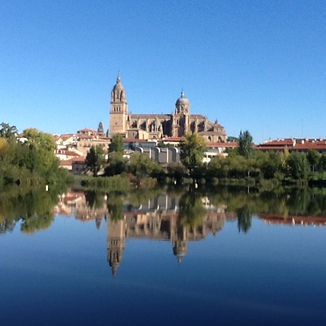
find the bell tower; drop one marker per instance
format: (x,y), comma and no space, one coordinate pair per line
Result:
(180,123)
(118,109)
(115,243)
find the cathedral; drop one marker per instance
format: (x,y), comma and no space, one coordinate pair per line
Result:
(159,126)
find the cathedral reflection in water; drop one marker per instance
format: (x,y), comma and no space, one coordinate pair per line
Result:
(158,219)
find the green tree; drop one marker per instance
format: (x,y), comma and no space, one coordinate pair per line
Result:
(298,166)
(313,158)
(42,145)
(95,159)
(116,164)
(176,171)
(7,131)
(32,163)
(322,162)
(271,164)
(214,167)
(39,140)
(245,144)
(141,166)
(192,151)
(116,144)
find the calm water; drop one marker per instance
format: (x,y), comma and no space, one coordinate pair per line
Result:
(150,264)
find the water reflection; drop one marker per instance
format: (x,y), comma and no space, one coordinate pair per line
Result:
(178,217)
(262,275)
(188,216)
(32,208)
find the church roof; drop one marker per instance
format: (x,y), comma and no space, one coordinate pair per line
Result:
(182,99)
(197,116)
(150,116)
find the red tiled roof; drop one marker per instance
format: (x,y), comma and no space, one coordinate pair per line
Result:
(283,142)
(87,129)
(293,144)
(65,137)
(66,162)
(85,136)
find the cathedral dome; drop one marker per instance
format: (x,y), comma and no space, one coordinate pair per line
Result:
(118,92)
(182,100)
(118,84)
(182,104)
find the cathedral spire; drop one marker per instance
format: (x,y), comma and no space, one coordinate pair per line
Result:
(118,109)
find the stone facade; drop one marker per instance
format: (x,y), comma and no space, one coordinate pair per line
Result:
(158,126)
(161,155)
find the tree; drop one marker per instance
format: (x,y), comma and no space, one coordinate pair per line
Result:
(4,147)
(192,151)
(7,131)
(245,144)
(298,166)
(116,144)
(313,158)
(117,165)
(40,155)
(30,163)
(141,166)
(270,164)
(95,159)
(322,162)
(176,171)
(39,140)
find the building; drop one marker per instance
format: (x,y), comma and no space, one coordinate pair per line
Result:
(159,126)
(299,145)
(72,149)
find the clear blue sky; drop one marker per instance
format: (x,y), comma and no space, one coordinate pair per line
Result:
(252,65)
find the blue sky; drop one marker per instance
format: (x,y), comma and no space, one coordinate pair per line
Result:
(252,65)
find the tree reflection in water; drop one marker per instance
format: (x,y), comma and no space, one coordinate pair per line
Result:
(115,206)
(94,199)
(191,209)
(33,208)
(244,218)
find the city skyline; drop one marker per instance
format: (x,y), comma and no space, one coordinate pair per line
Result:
(257,65)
